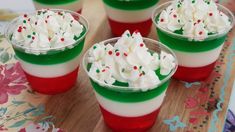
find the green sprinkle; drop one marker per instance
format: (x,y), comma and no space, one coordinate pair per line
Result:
(29,36)
(39,12)
(143,72)
(128,35)
(24,21)
(34,33)
(123,69)
(97,71)
(140,67)
(116,50)
(94,47)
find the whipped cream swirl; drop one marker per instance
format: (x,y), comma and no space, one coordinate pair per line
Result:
(47,29)
(128,61)
(196,18)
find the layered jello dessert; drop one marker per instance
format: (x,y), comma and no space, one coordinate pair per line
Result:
(47,44)
(73,5)
(130,15)
(196,31)
(130,76)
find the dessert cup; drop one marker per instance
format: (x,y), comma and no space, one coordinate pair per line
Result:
(73,5)
(129,15)
(196,58)
(126,108)
(54,70)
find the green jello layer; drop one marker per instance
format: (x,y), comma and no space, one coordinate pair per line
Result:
(130,4)
(129,97)
(55,2)
(51,58)
(189,46)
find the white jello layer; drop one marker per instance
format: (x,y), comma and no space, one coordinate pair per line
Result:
(73,6)
(190,59)
(50,71)
(129,16)
(130,109)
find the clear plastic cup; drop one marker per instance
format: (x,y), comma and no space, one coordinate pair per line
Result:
(130,108)
(73,5)
(129,15)
(53,70)
(196,57)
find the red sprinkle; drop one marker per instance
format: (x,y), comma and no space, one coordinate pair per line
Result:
(24,27)
(117,54)
(210,14)
(48,17)
(174,16)
(60,13)
(33,37)
(45,21)
(162,20)
(103,70)
(125,54)
(135,67)
(200,33)
(36,23)
(141,74)
(110,52)
(141,45)
(49,39)
(29,19)
(19,30)
(198,21)
(25,15)
(62,39)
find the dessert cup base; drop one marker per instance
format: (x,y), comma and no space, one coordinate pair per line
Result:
(129,124)
(190,74)
(118,28)
(52,86)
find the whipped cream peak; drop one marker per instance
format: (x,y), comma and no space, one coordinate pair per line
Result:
(196,18)
(128,61)
(47,29)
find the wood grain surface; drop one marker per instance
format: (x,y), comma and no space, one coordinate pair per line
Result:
(78,111)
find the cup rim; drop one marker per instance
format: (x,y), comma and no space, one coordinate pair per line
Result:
(181,36)
(15,44)
(130,89)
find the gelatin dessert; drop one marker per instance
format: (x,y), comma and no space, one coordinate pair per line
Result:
(47,44)
(130,76)
(130,15)
(73,5)
(196,31)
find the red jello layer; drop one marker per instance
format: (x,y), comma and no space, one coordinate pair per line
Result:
(194,74)
(53,85)
(129,124)
(118,28)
